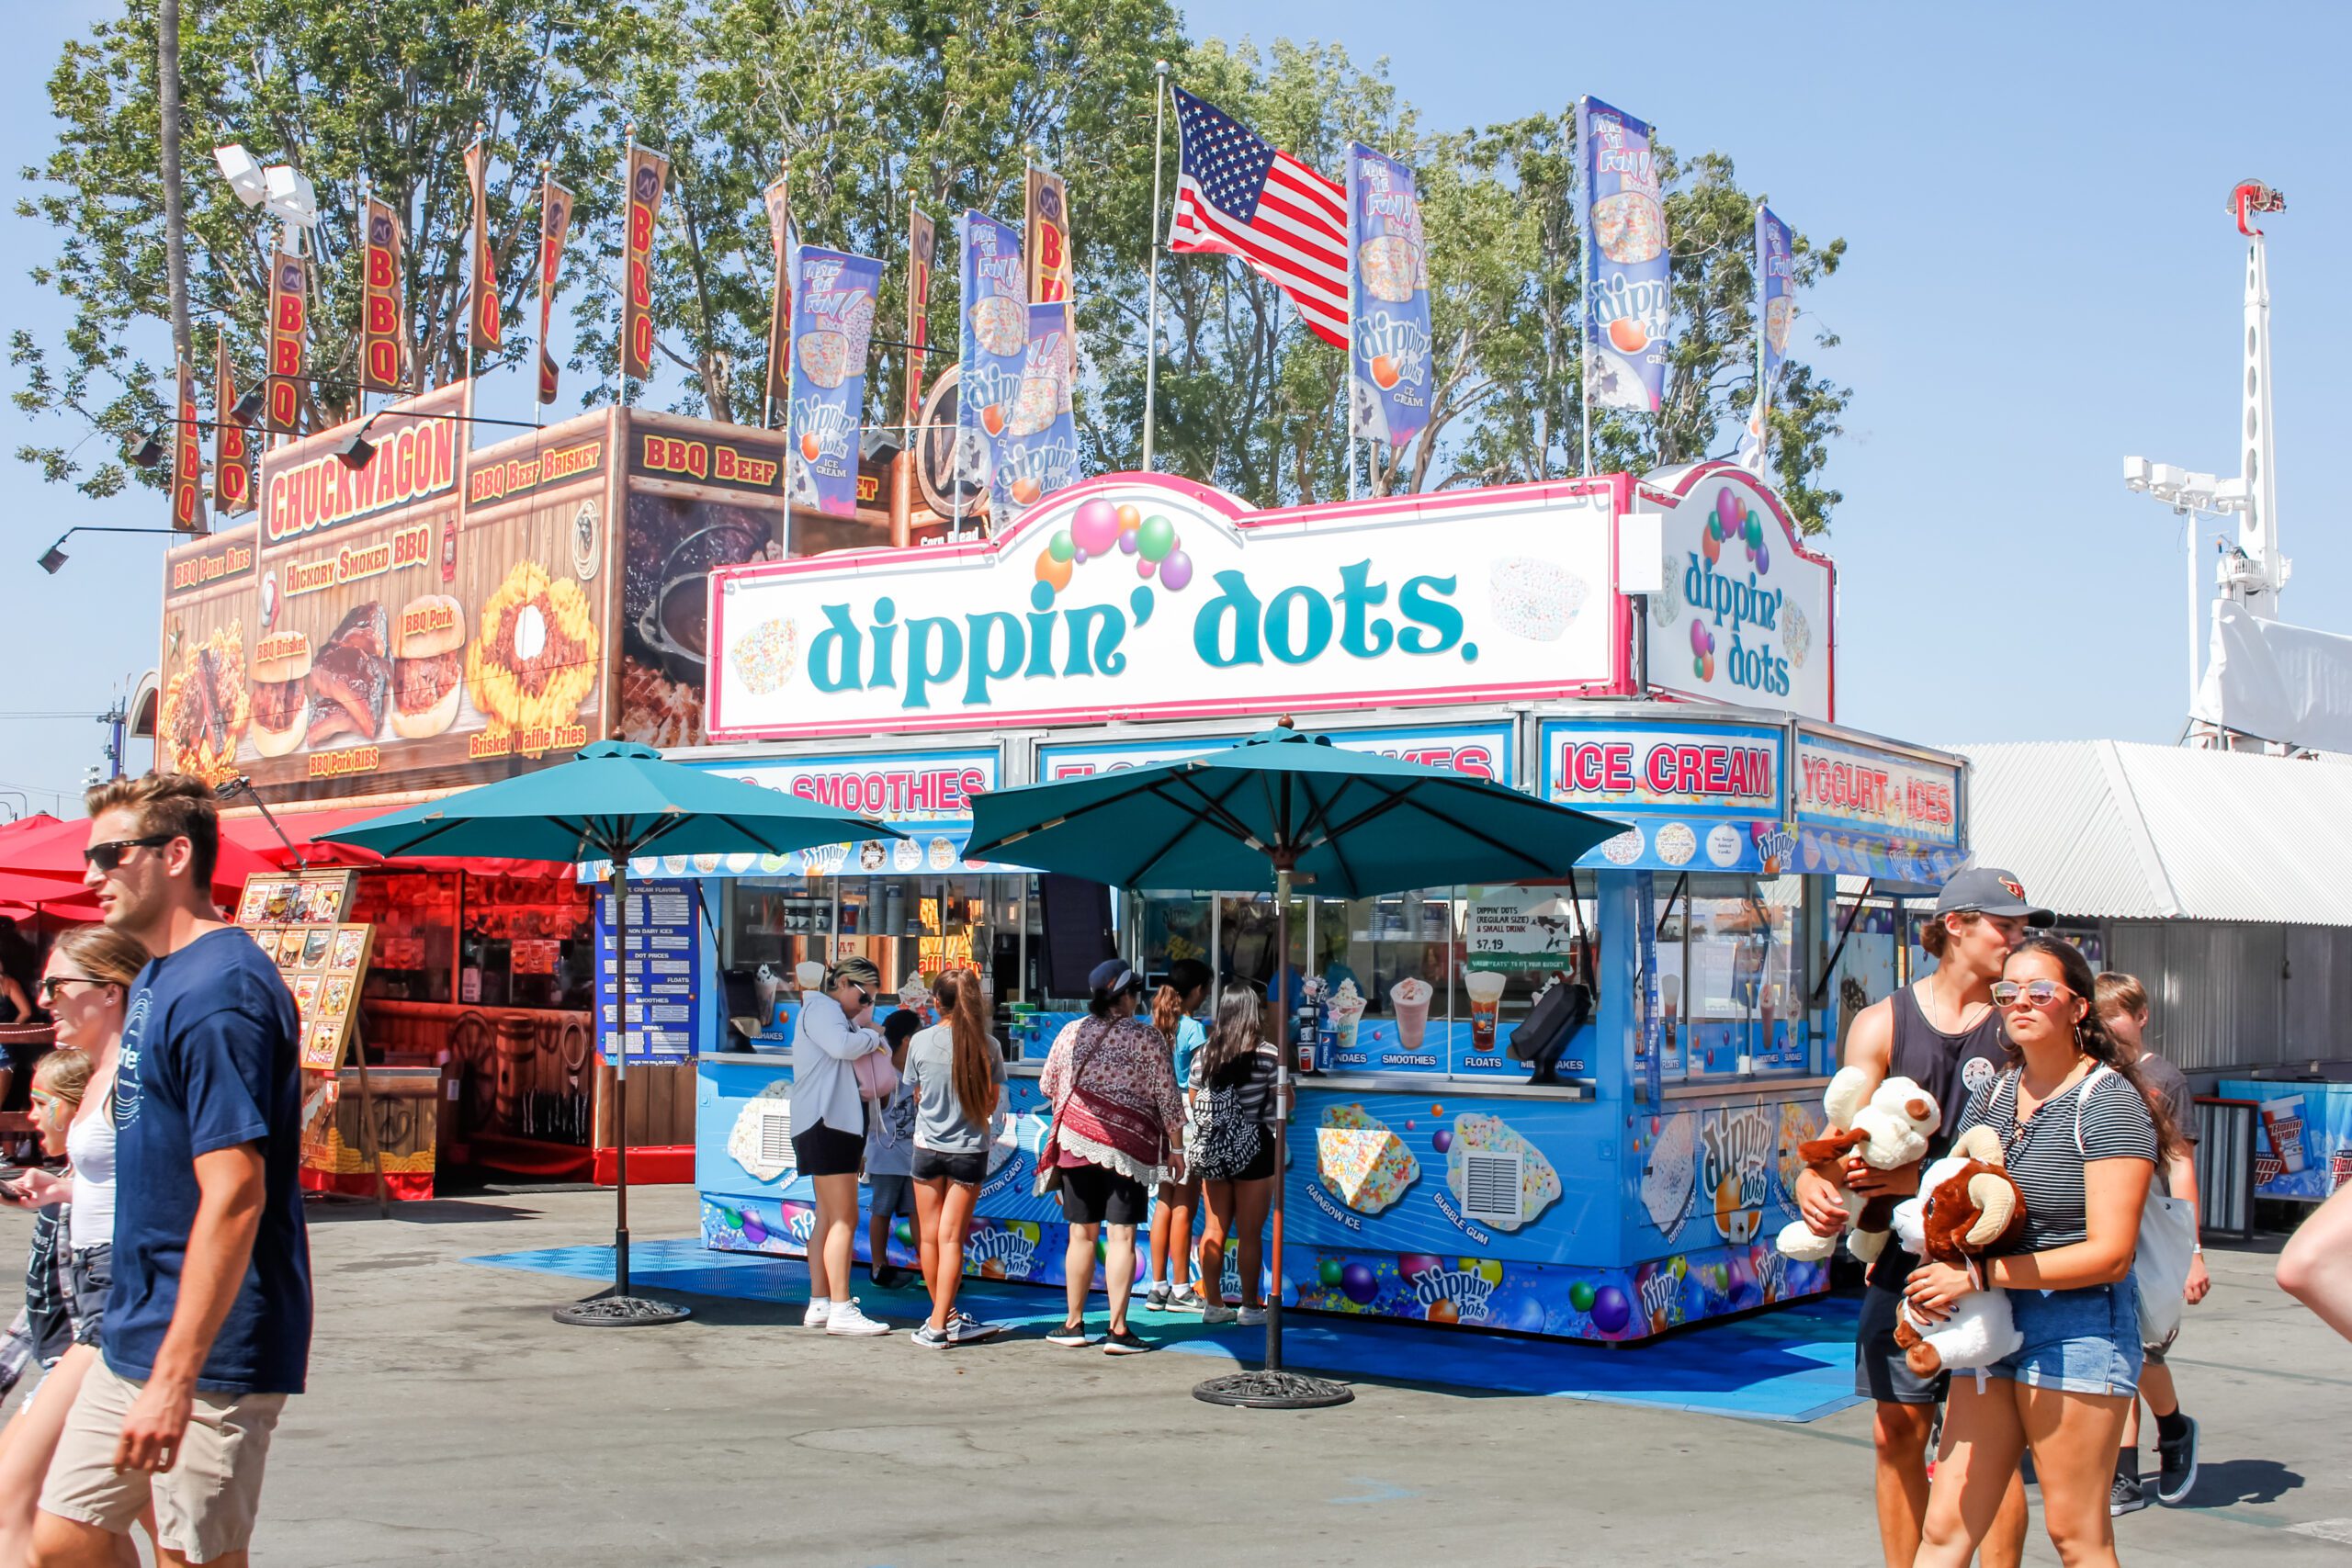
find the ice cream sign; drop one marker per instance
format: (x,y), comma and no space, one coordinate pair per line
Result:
(1137,597)
(1744,611)
(1707,797)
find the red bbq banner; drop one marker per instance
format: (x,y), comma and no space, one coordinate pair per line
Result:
(288,317)
(188,455)
(483,323)
(232,447)
(555,228)
(383,342)
(649,173)
(922,247)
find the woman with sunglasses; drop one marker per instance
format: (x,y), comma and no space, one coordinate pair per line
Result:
(87,985)
(2082,1140)
(835,1027)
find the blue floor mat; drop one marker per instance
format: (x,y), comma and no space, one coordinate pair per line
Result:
(1795,1364)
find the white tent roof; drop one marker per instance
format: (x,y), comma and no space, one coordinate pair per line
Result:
(2106,828)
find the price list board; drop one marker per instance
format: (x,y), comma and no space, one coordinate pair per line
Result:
(664,971)
(297,921)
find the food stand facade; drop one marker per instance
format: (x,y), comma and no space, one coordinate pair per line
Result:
(1494,631)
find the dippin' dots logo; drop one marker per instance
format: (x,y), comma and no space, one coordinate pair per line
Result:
(1010,1248)
(1661,1294)
(801,1226)
(1467,1290)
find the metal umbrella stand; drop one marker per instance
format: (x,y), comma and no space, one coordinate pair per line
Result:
(1289,809)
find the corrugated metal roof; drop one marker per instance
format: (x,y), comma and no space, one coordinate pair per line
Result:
(2112,830)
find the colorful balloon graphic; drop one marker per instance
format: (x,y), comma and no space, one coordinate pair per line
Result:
(1443,1311)
(1441,1140)
(1095,526)
(1130,519)
(1611,1310)
(1328,1271)
(753,1232)
(1052,569)
(1157,537)
(1356,1282)
(1061,545)
(1126,544)
(1176,572)
(1580,1295)
(1414,1264)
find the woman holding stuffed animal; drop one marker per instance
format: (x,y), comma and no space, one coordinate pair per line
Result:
(2081,1140)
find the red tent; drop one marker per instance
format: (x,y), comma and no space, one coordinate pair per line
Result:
(50,854)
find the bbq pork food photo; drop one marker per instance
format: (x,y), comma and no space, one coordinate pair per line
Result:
(281,692)
(205,708)
(428,665)
(351,677)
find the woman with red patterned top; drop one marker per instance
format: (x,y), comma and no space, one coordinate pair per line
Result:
(1118,1127)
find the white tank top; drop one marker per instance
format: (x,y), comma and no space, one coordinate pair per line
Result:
(89,1144)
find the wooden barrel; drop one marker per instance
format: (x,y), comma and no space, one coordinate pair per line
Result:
(517,1042)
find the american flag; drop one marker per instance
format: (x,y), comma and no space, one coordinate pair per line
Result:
(1238,193)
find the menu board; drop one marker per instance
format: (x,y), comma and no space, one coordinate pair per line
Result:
(296,921)
(664,971)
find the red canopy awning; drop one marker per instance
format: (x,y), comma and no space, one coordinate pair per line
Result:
(47,861)
(252,832)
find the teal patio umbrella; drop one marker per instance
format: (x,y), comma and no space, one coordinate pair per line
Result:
(1283,810)
(615,802)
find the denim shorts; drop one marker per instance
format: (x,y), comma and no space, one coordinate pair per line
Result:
(2085,1341)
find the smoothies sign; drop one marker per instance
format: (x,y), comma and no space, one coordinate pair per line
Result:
(1143,597)
(1745,612)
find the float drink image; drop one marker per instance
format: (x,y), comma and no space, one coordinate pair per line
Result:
(1486,988)
(1346,1010)
(1410,998)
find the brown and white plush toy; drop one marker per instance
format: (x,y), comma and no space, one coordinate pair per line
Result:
(1890,1127)
(1968,1207)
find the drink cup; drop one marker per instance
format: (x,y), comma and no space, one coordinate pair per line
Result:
(1346,1011)
(2282,1120)
(1486,988)
(1410,999)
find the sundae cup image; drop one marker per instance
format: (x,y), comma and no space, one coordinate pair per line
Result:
(907,855)
(1486,988)
(942,856)
(1410,998)
(1347,1012)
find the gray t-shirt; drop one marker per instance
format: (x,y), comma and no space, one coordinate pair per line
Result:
(2169,1084)
(940,1123)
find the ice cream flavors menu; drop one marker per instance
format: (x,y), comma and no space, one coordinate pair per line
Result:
(664,971)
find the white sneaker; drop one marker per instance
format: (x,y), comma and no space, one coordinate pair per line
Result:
(1216,1314)
(847,1319)
(1253,1317)
(820,1309)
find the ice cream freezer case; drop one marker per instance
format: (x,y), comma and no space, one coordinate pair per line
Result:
(1537,1210)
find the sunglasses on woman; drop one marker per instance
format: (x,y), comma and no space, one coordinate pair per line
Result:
(2041,993)
(50,984)
(107,856)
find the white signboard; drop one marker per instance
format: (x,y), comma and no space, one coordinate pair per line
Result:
(1481,750)
(1137,597)
(1745,612)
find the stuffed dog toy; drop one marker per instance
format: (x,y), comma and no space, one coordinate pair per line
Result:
(1968,1206)
(1890,1127)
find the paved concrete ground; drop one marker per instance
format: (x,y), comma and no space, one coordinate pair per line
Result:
(449,1419)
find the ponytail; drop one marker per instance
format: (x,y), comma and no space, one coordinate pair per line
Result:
(1167,1012)
(973,1072)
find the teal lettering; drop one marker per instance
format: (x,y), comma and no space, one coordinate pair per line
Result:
(886,646)
(1439,623)
(927,636)
(1238,605)
(1098,650)
(1280,625)
(983,665)
(835,654)
(1041,641)
(1363,634)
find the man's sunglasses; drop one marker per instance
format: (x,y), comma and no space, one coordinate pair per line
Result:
(2041,993)
(107,856)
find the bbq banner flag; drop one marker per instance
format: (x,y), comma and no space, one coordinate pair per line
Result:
(833,325)
(188,455)
(778,197)
(1388,344)
(1631,298)
(555,228)
(649,173)
(383,342)
(482,323)
(1776,310)
(1046,225)
(922,248)
(995,344)
(288,316)
(234,469)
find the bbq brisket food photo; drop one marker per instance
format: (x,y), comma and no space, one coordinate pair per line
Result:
(281,694)
(428,665)
(351,678)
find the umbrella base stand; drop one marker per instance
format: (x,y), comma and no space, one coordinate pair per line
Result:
(619,1312)
(1273,1389)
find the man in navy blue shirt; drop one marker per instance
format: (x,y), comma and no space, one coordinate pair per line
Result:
(208,1323)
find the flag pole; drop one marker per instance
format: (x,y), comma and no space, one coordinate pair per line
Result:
(1763,299)
(540,263)
(791,281)
(784,280)
(365,190)
(1347,367)
(1584,287)
(1151,328)
(620,295)
(473,243)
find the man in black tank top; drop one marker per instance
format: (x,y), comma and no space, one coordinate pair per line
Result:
(1943,1033)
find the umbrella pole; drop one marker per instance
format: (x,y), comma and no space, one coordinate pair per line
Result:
(1273,1388)
(619,1308)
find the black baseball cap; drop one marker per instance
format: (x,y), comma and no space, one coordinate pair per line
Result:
(1988,890)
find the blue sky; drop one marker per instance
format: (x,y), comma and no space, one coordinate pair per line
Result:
(2040,279)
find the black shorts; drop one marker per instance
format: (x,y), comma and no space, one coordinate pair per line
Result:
(1092,1195)
(821,1150)
(1259,1166)
(938,1165)
(1879,1371)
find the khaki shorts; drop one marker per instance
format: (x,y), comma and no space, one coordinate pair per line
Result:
(205,1504)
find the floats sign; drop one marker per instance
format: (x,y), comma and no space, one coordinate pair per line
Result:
(1745,612)
(1146,598)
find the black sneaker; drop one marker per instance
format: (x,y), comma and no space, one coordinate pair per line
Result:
(2125,1497)
(2179,1471)
(889,1276)
(1123,1343)
(1070,1337)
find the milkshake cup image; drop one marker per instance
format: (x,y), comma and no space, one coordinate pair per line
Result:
(1486,988)
(1410,998)
(2282,1123)
(1346,1010)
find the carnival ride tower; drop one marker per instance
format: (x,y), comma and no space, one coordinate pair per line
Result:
(2256,573)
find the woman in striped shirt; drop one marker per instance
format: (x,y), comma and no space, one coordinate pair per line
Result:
(2082,1140)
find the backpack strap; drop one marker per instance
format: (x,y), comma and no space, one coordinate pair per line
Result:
(2098,1070)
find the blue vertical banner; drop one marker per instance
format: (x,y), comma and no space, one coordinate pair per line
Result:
(1389,340)
(1629,299)
(664,962)
(995,352)
(832,323)
(1037,453)
(1776,309)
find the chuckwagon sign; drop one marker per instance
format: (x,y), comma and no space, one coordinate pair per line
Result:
(1137,596)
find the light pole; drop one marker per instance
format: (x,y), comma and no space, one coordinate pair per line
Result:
(2191,496)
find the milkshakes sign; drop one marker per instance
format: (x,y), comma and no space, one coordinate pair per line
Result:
(1139,597)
